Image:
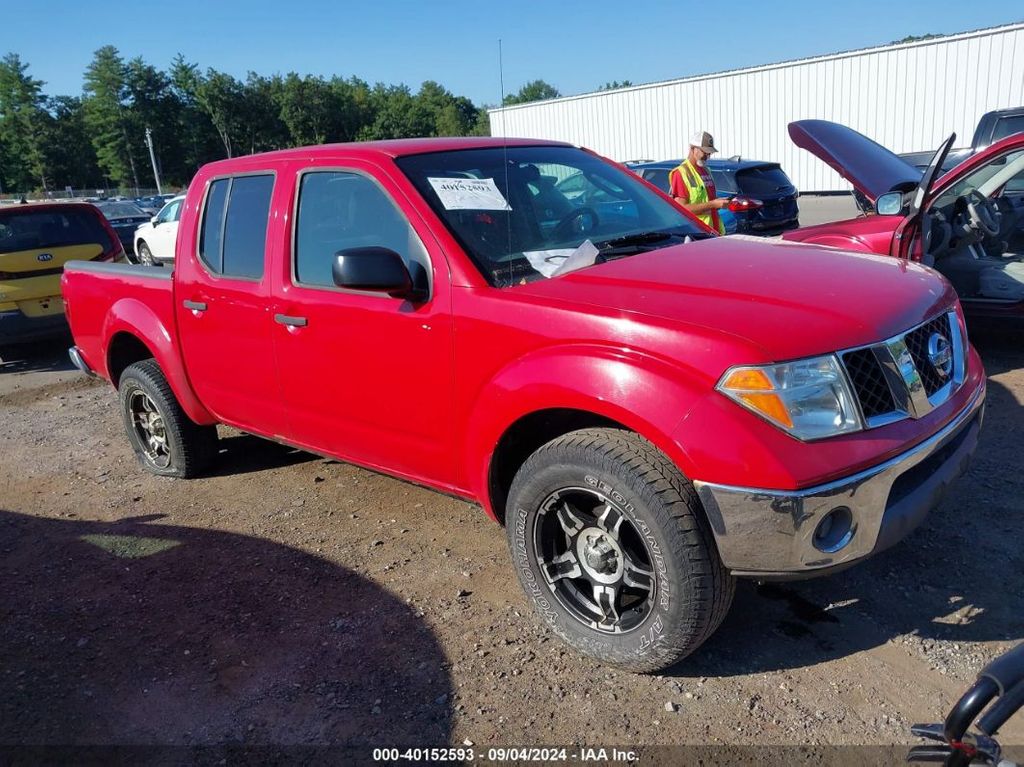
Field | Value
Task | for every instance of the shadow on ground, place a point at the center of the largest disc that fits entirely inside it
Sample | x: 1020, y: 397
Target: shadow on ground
x: 41, y: 357
x: 244, y: 453
x: 959, y: 577
x: 144, y: 633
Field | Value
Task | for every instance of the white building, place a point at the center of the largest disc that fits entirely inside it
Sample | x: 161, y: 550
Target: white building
x: 907, y: 97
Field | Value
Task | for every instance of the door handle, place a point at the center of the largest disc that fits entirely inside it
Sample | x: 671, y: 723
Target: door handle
x: 196, y: 306
x: 293, y: 322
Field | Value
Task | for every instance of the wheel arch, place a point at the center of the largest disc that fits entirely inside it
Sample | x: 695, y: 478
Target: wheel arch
x: 550, y: 395
x: 134, y: 332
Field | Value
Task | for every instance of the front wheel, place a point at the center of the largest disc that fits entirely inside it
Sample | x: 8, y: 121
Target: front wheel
x: 165, y: 440
x: 610, y: 543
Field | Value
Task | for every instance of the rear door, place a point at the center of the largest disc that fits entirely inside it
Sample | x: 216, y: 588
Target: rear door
x: 222, y: 296
x: 365, y: 376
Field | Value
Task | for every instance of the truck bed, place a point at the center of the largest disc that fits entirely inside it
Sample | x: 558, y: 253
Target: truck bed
x: 105, y: 294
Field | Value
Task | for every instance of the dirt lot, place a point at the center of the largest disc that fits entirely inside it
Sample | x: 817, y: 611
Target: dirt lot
x: 292, y: 599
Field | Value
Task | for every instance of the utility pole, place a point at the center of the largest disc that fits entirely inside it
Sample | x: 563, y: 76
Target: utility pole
x: 152, y: 159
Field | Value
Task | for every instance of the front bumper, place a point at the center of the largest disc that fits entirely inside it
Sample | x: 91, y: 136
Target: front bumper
x: 770, y: 534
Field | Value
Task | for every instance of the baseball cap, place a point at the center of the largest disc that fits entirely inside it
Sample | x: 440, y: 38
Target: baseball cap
x: 704, y: 140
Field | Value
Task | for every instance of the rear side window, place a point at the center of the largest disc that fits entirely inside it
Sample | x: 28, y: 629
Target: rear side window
x: 758, y: 182
x: 234, y: 228
x: 723, y: 181
x: 27, y: 229
x: 1007, y: 126
x: 658, y: 177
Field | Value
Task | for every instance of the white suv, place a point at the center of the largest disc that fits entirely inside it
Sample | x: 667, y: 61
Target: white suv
x: 154, y: 242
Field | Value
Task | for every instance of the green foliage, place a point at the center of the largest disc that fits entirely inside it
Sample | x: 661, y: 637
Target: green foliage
x: 614, y: 85
x: 537, y: 90
x: 913, y: 39
x: 22, y: 125
x: 108, y: 118
x: 198, y: 116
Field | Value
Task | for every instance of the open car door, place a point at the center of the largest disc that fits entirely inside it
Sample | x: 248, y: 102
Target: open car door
x: 905, y: 232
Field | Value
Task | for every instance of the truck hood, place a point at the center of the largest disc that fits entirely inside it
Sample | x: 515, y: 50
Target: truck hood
x: 870, y: 167
x: 789, y: 299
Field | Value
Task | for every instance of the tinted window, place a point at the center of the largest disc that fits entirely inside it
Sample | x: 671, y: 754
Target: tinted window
x: 339, y: 210
x: 213, y: 224
x: 1007, y: 126
x: 171, y: 212
x: 724, y: 181
x: 232, y: 242
x: 763, y: 182
x: 33, y: 229
x: 245, y: 228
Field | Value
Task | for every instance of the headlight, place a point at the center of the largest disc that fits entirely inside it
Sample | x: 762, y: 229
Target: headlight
x: 809, y: 399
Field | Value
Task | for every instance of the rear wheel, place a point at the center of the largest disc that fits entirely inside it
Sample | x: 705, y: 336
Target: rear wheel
x: 610, y: 543
x: 165, y: 440
x: 144, y: 254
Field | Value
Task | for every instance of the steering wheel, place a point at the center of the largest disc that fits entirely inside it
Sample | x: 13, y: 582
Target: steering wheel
x: 984, y: 214
x: 578, y: 221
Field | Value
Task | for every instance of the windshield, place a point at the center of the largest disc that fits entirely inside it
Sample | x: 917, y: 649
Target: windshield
x: 521, y: 213
x: 1004, y: 173
x: 114, y: 210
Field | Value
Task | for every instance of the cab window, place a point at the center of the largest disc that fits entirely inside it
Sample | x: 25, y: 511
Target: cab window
x: 338, y: 210
x: 234, y: 227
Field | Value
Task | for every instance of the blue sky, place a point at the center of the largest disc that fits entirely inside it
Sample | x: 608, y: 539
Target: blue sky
x: 574, y: 45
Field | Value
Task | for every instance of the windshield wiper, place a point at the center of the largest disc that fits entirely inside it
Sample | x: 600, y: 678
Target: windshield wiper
x: 631, y: 244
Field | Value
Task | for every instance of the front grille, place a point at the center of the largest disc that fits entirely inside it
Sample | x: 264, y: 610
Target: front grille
x: 869, y: 383
x: 917, y: 345
x: 886, y: 383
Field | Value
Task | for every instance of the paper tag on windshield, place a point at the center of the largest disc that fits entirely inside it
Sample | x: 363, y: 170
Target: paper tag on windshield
x: 469, y: 194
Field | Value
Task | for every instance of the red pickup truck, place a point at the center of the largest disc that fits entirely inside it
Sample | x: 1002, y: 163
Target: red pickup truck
x: 650, y: 410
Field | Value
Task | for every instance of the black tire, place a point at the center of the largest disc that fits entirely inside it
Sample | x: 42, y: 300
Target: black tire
x: 659, y: 518
x: 180, y: 447
x: 144, y: 255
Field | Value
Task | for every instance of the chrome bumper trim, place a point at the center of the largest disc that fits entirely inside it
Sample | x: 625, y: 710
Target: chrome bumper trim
x: 79, y: 362
x: 770, y: 531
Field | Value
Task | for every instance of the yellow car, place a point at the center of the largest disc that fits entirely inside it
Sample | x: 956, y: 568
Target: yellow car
x: 36, y: 240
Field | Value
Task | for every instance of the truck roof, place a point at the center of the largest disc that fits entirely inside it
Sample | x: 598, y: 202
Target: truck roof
x: 390, y: 148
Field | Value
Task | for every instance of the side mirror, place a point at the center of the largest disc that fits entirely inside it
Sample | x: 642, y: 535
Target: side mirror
x: 154, y: 220
x: 380, y: 270
x: 889, y: 204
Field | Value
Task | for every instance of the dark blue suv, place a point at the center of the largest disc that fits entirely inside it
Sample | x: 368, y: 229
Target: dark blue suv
x: 745, y: 182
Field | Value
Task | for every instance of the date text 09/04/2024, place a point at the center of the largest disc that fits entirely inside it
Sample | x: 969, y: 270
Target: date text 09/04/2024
x: 504, y: 754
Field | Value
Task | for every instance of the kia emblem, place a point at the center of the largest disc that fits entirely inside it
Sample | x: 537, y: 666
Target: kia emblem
x: 44, y: 257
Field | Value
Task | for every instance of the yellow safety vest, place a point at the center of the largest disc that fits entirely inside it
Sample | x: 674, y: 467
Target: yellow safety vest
x: 698, y: 193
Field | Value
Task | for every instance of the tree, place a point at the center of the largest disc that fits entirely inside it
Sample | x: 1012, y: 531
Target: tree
x: 196, y: 135
x: 310, y: 108
x: 614, y: 85
x: 397, y: 114
x: 537, y: 90
x: 107, y: 116
x: 22, y: 124
x: 222, y: 98
x: 70, y: 158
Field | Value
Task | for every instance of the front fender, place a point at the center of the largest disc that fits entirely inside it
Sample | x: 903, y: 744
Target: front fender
x: 642, y: 393
x: 132, y: 316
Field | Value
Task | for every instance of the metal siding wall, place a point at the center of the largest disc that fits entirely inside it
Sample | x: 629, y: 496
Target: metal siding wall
x: 907, y: 98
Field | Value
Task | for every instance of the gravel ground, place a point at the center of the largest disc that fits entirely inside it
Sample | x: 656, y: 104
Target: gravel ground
x: 290, y: 599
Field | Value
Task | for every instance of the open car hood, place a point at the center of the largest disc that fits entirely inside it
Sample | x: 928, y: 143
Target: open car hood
x: 870, y: 167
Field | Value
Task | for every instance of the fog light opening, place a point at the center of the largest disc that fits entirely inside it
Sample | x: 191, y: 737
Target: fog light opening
x: 834, y: 531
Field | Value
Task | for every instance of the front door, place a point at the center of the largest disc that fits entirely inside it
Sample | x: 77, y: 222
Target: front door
x: 365, y: 376
x: 222, y: 296
x: 165, y: 230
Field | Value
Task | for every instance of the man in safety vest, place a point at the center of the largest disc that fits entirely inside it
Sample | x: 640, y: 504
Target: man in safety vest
x: 691, y: 184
